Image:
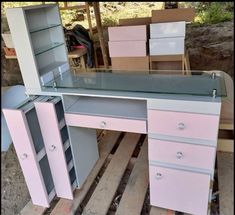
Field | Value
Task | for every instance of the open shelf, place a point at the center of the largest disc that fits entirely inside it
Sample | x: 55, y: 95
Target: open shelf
x: 121, y: 108
x: 47, y: 48
x: 42, y: 28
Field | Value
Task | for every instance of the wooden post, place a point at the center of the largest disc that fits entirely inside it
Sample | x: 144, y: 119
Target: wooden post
x: 89, y: 18
x: 100, y: 32
x: 65, y: 4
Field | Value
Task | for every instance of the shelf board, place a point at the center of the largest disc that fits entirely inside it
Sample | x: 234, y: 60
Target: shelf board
x: 62, y: 123
x: 42, y: 28
x: 51, y: 67
x: 47, y: 48
x: 41, y: 154
x: 66, y: 145
x: 121, y: 108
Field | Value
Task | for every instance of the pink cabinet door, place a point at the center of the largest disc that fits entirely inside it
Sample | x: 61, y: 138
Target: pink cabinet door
x: 127, y: 49
x: 125, y: 33
x: 177, y: 190
x: 54, y: 148
x: 109, y: 123
x: 182, y: 154
x: 23, y: 143
x: 181, y: 124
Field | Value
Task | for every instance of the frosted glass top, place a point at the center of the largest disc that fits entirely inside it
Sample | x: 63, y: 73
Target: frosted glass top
x: 202, y: 83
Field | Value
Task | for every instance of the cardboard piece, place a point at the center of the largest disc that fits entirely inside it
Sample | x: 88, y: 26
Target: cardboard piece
x: 131, y: 63
x: 135, y: 21
x: 173, y: 15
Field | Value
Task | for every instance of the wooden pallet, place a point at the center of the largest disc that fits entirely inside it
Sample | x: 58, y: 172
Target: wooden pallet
x: 118, y: 184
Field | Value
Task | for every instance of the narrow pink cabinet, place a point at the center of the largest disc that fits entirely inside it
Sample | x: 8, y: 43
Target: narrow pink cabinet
x: 29, y: 145
x: 57, y: 146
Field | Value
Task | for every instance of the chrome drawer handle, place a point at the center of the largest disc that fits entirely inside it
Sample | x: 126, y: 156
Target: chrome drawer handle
x: 52, y: 148
x: 102, y: 124
x: 181, y: 126
x: 179, y: 155
x: 23, y: 156
x: 158, y: 176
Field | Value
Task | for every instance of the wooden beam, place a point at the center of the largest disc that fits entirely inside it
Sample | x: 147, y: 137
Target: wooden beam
x: 100, y: 33
x: 89, y: 18
x: 78, y: 7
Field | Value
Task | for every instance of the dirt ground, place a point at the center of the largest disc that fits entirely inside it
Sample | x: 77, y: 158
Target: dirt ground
x: 14, y: 192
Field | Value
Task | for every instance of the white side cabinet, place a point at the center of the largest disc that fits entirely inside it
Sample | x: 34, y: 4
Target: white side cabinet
x: 39, y: 43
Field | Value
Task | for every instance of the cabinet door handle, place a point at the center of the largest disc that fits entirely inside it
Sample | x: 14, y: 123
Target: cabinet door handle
x: 23, y: 156
x: 181, y: 126
x: 52, y: 148
x: 179, y: 155
x: 158, y: 176
x: 103, y: 124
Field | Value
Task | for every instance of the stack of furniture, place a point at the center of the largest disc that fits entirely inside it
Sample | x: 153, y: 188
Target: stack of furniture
x: 128, y: 48
x: 167, y: 46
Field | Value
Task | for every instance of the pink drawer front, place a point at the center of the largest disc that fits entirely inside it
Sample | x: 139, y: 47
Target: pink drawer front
x: 129, y: 125
x: 183, y: 124
x: 182, y: 154
x: 124, y: 33
x: 127, y: 49
x: 177, y: 190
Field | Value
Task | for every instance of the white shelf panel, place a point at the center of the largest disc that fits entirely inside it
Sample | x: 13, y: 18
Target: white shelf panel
x: 121, y: 108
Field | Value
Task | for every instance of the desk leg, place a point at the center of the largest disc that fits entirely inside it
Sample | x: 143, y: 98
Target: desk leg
x: 84, y: 147
x: 83, y: 64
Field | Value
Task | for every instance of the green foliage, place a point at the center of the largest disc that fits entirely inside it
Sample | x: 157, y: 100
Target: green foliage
x: 214, y: 12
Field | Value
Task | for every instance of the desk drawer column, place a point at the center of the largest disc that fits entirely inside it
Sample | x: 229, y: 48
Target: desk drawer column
x: 28, y: 158
x: 54, y: 147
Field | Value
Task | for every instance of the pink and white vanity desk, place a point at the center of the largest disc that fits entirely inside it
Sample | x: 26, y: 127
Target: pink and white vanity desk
x: 54, y: 133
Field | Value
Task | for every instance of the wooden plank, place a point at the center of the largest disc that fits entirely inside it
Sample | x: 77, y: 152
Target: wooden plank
x: 166, y: 58
x: 77, y: 53
x: 135, y: 21
x: 133, y: 197
x: 225, y: 165
x: 78, y: 7
x: 65, y: 207
x: 30, y: 209
x: 226, y: 125
x: 225, y: 145
x: 103, y: 195
x: 173, y: 15
x: 160, y: 211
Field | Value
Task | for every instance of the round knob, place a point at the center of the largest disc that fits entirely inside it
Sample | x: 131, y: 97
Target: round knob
x: 179, y: 155
x: 181, y: 126
x: 102, y: 124
x: 52, y: 148
x: 23, y: 156
x: 158, y: 176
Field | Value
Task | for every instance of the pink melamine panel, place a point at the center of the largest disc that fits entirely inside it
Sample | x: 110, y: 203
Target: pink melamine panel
x: 183, y: 124
x: 52, y: 138
x: 125, y: 33
x: 179, y: 190
x: 127, y: 49
x: 182, y: 154
x: 109, y: 123
x: 23, y: 143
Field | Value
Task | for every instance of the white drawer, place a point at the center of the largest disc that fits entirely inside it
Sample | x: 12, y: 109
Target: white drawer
x: 169, y: 29
x: 166, y: 46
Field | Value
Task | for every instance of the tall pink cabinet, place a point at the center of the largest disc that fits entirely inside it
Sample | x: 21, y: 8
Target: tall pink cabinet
x: 54, y: 130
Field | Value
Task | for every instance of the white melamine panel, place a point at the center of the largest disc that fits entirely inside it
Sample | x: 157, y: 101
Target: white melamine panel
x: 169, y: 29
x: 204, y: 107
x: 166, y: 46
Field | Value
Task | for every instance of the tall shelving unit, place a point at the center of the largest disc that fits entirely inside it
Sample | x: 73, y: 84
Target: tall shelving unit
x: 39, y: 43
